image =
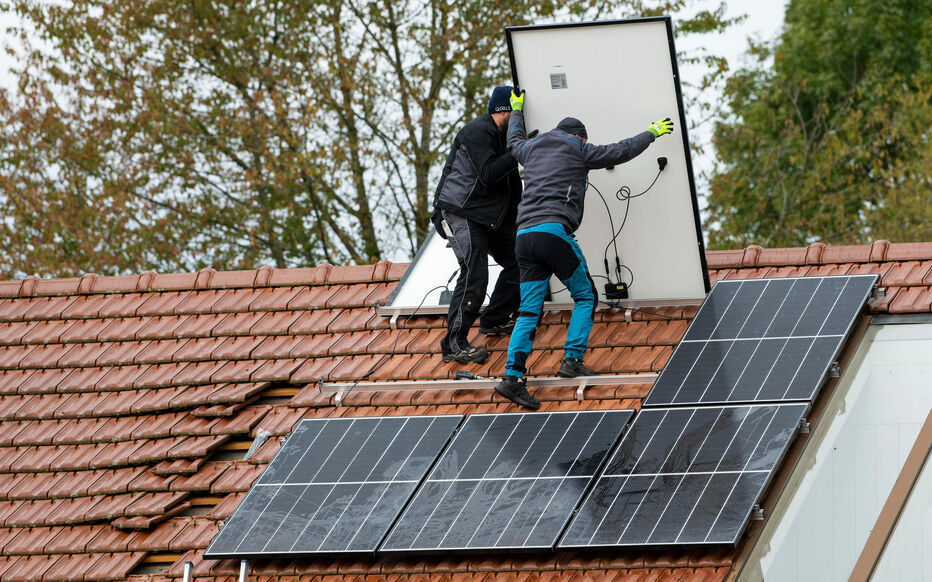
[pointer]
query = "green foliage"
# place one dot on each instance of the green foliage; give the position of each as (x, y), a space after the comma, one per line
(829, 137)
(170, 135)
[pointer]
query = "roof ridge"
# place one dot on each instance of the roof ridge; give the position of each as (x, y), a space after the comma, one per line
(206, 278)
(819, 253)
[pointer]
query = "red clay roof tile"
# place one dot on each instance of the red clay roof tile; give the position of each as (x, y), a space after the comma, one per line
(12, 380)
(316, 321)
(276, 346)
(912, 300)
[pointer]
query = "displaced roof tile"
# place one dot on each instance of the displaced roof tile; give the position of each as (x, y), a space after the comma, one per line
(279, 370)
(237, 477)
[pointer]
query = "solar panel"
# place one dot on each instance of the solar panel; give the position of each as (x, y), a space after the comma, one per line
(684, 476)
(507, 481)
(762, 340)
(336, 485)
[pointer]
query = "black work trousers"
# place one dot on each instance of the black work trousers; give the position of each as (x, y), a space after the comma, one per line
(472, 243)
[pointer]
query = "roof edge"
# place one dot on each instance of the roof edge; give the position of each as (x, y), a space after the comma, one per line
(819, 254)
(325, 274)
(207, 278)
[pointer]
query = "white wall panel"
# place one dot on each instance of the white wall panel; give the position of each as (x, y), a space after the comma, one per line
(621, 76)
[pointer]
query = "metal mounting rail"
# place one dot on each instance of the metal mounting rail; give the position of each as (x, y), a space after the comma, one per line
(340, 389)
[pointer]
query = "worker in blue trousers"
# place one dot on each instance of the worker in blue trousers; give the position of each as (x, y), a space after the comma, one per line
(556, 165)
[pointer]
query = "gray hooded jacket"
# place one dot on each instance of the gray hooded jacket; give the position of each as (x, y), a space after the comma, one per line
(556, 167)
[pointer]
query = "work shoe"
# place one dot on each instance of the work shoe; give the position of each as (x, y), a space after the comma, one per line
(514, 389)
(499, 329)
(467, 355)
(573, 368)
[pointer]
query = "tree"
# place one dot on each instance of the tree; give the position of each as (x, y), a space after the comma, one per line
(175, 135)
(831, 141)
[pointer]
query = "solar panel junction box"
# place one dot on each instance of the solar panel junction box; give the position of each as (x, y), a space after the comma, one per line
(616, 290)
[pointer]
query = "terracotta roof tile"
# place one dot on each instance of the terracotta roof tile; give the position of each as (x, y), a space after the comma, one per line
(200, 481)
(275, 298)
(356, 319)
(159, 351)
(236, 478)
(316, 321)
(237, 300)
(281, 420)
(13, 332)
(113, 566)
(912, 300)
(199, 325)
(199, 302)
(12, 380)
(312, 346)
(276, 346)
(105, 538)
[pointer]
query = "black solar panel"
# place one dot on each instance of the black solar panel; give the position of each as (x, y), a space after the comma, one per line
(336, 485)
(762, 340)
(684, 476)
(507, 481)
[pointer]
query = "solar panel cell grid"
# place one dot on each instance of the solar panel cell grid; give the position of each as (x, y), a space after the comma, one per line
(685, 476)
(336, 485)
(507, 481)
(762, 340)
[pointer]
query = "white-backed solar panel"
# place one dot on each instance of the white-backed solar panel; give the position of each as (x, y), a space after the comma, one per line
(336, 485)
(762, 340)
(507, 481)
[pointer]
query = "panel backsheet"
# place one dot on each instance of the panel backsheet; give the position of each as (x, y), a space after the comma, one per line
(507, 481)
(685, 476)
(337, 485)
(762, 340)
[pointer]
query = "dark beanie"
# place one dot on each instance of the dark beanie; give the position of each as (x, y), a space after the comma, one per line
(500, 101)
(573, 126)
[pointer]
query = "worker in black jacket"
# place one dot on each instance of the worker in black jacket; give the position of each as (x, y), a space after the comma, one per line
(475, 210)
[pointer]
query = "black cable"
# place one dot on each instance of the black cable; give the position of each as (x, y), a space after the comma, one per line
(624, 195)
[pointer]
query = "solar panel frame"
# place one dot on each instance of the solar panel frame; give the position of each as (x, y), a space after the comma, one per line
(334, 500)
(701, 359)
(793, 411)
(402, 539)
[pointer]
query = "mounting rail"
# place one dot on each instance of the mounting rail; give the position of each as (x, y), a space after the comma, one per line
(340, 389)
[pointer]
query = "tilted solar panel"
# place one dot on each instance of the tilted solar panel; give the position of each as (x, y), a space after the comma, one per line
(762, 340)
(685, 476)
(336, 485)
(507, 481)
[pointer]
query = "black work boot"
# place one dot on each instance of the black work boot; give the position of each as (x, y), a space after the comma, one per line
(573, 368)
(499, 329)
(467, 355)
(514, 389)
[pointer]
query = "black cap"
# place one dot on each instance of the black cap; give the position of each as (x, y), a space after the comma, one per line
(573, 126)
(500, 101)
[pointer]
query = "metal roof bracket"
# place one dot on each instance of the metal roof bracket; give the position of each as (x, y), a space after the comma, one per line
(579, 392)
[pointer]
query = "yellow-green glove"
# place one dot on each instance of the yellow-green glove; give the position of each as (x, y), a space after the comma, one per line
(657, 128)
(517, 101)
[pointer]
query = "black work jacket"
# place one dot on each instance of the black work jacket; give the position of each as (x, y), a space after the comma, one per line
(480, 179)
